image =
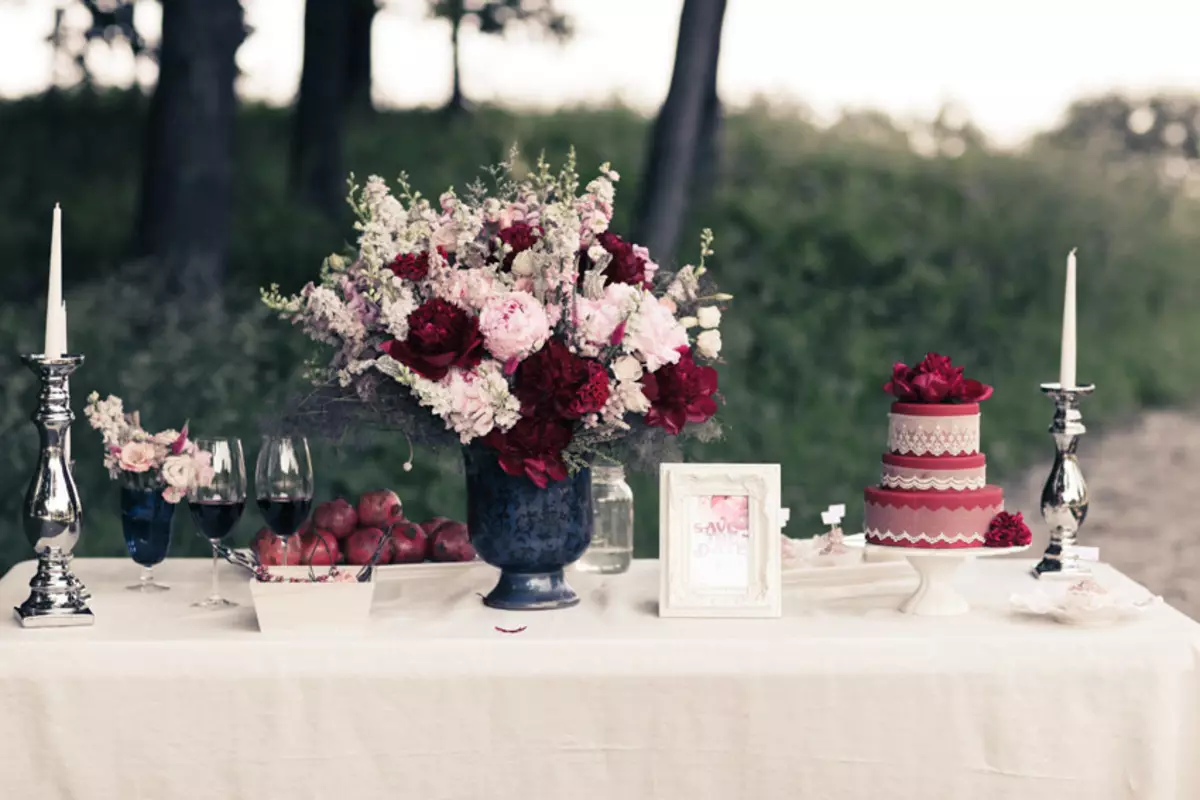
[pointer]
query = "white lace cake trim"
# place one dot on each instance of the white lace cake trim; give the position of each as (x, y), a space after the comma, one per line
(914, 484)
(937, 442)
(938, 538)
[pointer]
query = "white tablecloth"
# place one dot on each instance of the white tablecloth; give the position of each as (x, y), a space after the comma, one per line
(842, 700)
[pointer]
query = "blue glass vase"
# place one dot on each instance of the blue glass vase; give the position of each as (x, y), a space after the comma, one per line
(146, 524)
(529, 533)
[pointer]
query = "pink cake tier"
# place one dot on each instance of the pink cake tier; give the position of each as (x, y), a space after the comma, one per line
(934, 473)
(933, 429)
(930, 519)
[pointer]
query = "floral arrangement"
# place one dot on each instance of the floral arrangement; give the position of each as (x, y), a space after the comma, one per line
(1008, 530)
(145, 460)
(513, 319)
(934, 380)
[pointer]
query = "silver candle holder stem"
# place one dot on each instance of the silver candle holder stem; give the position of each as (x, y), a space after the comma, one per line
(1065, 495)
(52, 514)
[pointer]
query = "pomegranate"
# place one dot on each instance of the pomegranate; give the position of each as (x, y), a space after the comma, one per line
(269, 548)
(379, 509)
(408, 543)
(361, 545)
(319, 549)
(337, 516)
(450, 542)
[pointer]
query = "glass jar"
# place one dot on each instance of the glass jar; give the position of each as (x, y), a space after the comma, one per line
(611, 549)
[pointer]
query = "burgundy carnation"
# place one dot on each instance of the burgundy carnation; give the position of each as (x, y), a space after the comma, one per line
(1007, 530)
(934, 380)
(533, 448)
(625, 267)
(411, 266)
(520, 236)
(555, 383)
(440, 336)
(680, 393)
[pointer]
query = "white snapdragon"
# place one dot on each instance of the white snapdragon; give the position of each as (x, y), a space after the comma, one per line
(709, 343)
(709, 317)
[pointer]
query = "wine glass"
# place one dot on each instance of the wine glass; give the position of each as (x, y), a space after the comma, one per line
(283, 483)
(216, 498)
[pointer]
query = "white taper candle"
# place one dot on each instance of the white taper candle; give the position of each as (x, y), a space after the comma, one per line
(1066, 364)
(53, 346)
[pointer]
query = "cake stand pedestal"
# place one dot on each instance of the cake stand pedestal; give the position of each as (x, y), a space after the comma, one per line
(936, 595)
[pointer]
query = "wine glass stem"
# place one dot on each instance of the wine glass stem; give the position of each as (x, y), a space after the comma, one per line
(216, 582)
(147, 577)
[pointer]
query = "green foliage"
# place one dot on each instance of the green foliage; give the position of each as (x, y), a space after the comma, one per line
(844, 253)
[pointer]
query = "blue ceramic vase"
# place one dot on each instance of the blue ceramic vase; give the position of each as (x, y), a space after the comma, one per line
(529, 533)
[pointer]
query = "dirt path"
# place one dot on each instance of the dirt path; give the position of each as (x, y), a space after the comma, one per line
(1143, 485)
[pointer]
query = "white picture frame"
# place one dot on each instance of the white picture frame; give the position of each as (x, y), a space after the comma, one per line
(705, 572)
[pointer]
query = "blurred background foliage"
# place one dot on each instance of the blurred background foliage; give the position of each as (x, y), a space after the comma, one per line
(847, 247)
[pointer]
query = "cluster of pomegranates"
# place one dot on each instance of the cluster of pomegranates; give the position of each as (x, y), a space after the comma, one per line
(341, 533)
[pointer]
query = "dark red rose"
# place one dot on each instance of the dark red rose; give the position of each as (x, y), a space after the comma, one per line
(520, 236)
(625, 266)
(555, 383)
(533, 448)
(411, 266)
(1007, 530)
(440, 336)
(934, 380)
(680, 393)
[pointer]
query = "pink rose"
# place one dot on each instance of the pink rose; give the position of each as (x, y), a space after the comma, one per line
(599, 320)
(136, 457)
(514, 325)
(173, 494)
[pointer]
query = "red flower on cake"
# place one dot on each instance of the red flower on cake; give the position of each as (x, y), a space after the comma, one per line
(533, 448)
(440, 336)
(1007, 530)
(680, 393)
(555, 383)
(934, 380)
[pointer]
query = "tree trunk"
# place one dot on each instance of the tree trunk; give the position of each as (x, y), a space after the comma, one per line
(318, 126)
(683, 141)
(457, 101)
(187, 174)
(358, 54)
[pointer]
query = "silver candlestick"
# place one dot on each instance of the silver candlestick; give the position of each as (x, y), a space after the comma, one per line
(52, 514)
(1065, 495)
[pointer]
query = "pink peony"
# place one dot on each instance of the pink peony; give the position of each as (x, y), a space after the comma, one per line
(655, 334)
(514, 325)
(136, 457)
(599, 320)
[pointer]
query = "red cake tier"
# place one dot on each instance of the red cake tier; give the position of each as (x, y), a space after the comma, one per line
(931, 519)
(934, 473)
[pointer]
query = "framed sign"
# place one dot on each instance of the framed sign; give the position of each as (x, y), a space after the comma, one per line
(719, 548)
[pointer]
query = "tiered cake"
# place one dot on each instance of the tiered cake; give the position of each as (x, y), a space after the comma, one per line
(934, 492)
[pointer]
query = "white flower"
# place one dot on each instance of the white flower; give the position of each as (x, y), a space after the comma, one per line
(522, 265)
(688, 322)
(179, 471)
(627, 369)
(709, 343)
(709, 317)
(166, 437)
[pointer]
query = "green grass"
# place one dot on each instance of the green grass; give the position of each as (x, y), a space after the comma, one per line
(844, 255)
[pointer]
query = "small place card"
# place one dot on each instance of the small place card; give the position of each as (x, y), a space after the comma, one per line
(1082, 553)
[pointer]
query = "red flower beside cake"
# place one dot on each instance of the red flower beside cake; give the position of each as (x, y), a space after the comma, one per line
(934, 491)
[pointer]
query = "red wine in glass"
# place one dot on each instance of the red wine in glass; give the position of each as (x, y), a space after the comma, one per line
(284, 515)
(216, 518)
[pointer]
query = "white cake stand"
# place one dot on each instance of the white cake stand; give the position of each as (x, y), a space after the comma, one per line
(936, 595)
